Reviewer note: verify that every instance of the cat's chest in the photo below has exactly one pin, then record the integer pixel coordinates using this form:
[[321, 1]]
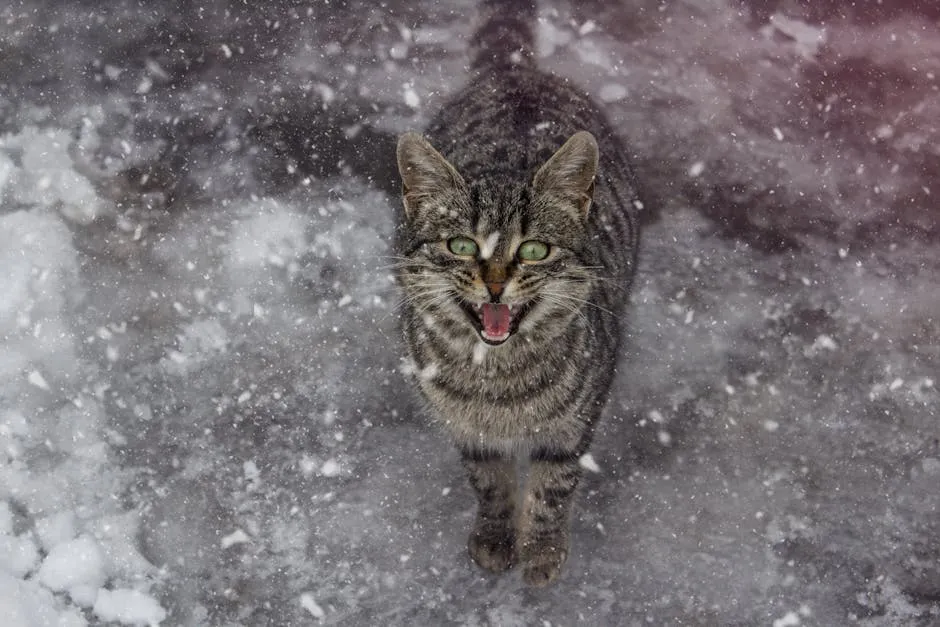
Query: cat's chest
[[509, 401]]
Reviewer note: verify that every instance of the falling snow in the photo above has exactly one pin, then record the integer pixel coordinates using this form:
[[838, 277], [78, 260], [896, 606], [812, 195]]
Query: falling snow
[[204, 416]]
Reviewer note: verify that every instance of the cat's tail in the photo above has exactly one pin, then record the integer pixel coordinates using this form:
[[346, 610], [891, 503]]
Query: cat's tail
[[506, 35]]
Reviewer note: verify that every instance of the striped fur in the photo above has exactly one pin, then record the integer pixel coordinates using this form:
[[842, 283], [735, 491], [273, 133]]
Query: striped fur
[[512, 167]]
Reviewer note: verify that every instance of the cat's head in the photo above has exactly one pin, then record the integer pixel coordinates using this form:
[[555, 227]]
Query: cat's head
[[497, 258]]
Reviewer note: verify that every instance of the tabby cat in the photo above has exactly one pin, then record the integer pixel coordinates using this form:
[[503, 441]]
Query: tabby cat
[[518, 248]]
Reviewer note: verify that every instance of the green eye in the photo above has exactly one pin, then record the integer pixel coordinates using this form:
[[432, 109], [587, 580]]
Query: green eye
[[462, 246], [533, 251]]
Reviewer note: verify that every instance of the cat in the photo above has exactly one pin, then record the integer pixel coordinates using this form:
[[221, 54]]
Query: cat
[[517, 250]]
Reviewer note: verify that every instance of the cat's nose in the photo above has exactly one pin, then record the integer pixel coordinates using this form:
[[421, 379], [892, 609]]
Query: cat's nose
[[495, 289]]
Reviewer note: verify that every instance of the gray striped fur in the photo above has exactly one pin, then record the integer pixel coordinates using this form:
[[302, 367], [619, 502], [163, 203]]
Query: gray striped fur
[[514, 161]]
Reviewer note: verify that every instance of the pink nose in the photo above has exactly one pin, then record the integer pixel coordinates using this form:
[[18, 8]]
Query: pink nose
[[495, 288]]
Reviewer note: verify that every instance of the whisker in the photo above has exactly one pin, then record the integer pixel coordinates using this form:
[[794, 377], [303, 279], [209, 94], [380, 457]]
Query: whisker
[[550, 298], [579, 300]]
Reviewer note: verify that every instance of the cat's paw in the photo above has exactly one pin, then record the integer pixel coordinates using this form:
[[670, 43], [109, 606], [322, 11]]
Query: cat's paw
[[493, 550], [541, 563]]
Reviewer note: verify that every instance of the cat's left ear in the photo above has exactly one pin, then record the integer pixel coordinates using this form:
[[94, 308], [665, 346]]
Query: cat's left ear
[[425, 172], [569, 174]]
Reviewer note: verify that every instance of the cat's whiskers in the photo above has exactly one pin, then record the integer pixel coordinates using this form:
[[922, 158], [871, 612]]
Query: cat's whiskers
[[418, 296], [583, 274], [557, 300], [431, 299], [584, 302], [413, 264]]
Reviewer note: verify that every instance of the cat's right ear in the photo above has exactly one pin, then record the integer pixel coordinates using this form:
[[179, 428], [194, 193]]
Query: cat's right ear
[[425, 173]]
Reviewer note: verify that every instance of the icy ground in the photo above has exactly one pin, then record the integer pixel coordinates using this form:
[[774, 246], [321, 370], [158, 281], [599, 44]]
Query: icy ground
[[202, 415]]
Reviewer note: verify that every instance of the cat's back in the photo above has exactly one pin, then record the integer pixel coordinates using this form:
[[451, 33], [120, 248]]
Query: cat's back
[[514, 112]]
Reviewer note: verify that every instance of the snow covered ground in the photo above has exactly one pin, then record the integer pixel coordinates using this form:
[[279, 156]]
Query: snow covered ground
[[203, 418]]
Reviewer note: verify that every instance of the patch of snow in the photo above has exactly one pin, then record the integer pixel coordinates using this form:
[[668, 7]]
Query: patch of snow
[[807, 38], [327, 94], [429, 372], [308, 603], [18, 554], [250, 468], [549, 37], [823, 342], [271, 233], [587, 28], [399, 51], [589, 51], [25, 603], [48, 177], [236, 537], [587, 462], [78, 562], [128, 607], [330, 468], [6, 518], [35, 378], [790, 619], [612, 92], [411, 96], [7, 168]]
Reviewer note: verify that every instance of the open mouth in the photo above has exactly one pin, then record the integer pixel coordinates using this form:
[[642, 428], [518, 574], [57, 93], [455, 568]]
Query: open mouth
[[495, 321]]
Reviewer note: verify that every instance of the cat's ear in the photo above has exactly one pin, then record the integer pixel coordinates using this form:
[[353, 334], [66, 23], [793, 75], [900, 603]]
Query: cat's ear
[[569, 174], [424, 172]]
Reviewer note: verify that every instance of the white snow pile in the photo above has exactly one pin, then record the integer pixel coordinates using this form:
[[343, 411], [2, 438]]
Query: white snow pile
[[46, 175], [66, 547]]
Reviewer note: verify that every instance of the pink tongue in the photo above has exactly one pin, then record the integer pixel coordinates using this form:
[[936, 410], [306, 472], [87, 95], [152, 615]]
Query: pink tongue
[[495, 319]]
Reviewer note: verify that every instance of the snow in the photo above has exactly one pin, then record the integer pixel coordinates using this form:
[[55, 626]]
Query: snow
[[128, 607], [236, 537], [6, 519], [612, 92], [308, 603], [330, 468], [696, 169], [26, 604], [411, 96], [18, 554], [48, 176], [74, 563], [806, 37], [587, 462], [790, 619], [202, 418]]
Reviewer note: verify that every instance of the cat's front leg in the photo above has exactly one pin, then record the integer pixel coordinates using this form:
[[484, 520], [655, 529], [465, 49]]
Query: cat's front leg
[[544, 526], [492, 543]]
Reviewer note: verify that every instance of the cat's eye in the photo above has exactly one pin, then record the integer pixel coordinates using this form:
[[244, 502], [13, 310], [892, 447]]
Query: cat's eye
[[533, 250], [462, 246]]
